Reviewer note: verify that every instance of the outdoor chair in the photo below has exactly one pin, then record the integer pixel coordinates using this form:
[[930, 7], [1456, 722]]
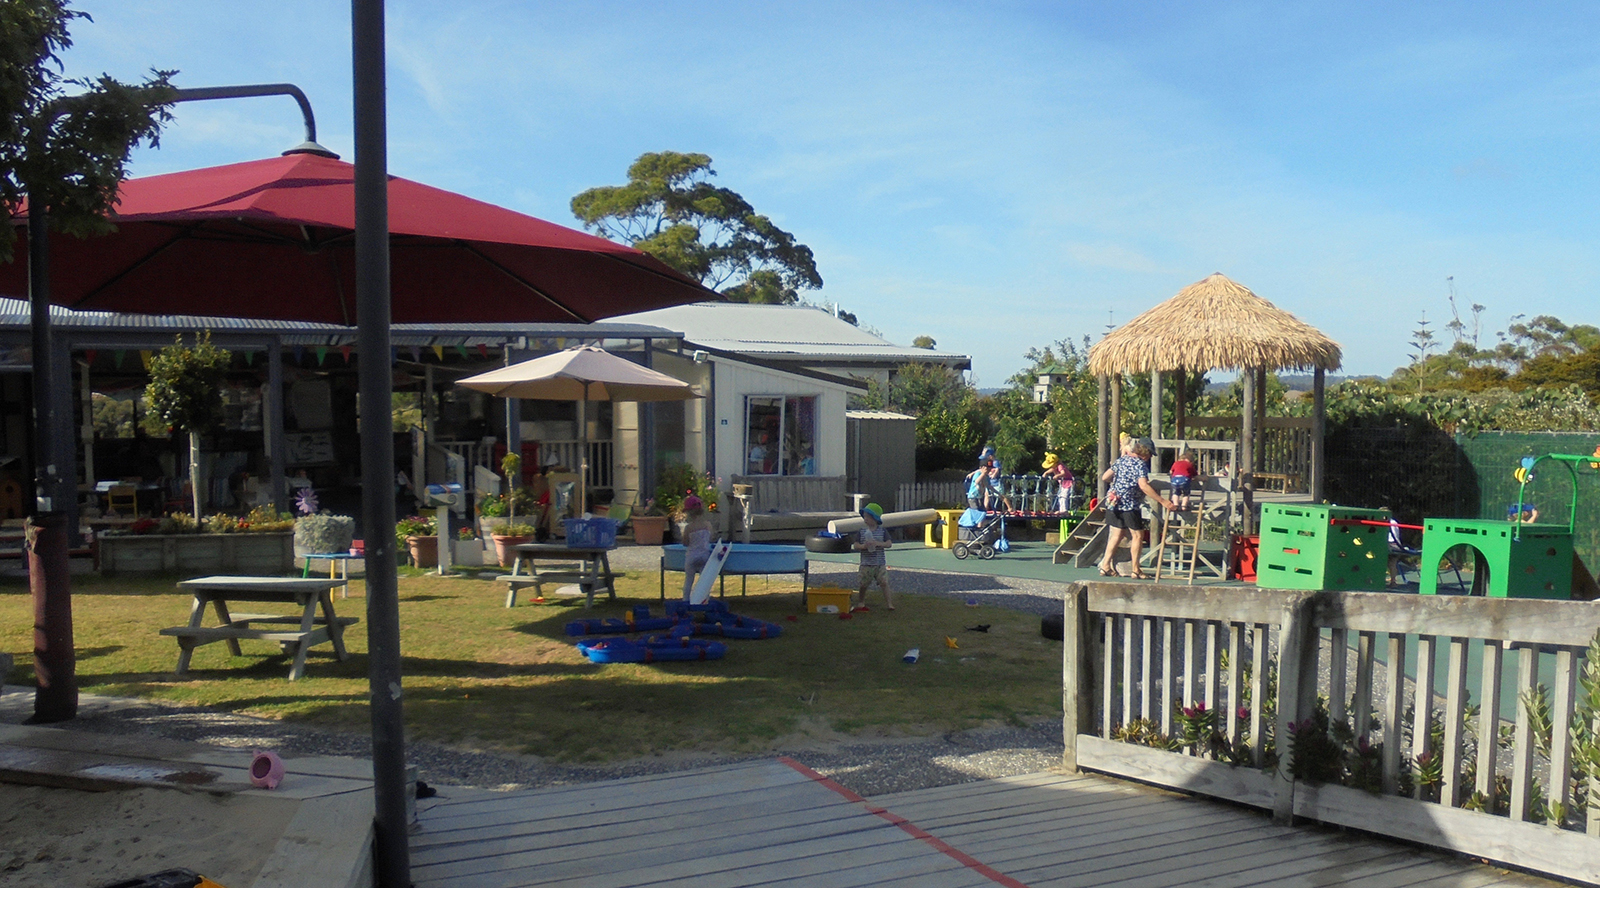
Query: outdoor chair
[[1402, 555], [123, 500]]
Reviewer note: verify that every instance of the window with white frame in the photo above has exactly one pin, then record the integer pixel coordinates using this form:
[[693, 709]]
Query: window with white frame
[[780, 435]]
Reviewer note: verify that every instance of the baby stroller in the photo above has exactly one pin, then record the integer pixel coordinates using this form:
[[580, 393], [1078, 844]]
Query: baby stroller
[[978, 532]]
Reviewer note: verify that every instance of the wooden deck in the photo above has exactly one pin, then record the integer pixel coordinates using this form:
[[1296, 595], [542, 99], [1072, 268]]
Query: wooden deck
[[775, 823]]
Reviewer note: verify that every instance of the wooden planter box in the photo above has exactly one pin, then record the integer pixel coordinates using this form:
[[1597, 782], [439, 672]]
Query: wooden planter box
[[267, 553]]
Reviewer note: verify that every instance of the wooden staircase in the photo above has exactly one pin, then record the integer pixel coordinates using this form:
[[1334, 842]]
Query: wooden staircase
[[1085, 542]]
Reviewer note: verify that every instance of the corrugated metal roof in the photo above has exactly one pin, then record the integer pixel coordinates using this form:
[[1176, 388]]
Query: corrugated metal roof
[[767, 330], [17, 314]]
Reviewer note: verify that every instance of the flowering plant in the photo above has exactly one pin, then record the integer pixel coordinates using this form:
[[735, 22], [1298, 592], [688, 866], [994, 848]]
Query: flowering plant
[[680, 480]]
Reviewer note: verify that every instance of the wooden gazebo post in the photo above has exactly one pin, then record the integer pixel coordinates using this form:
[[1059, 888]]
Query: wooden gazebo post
[[1247, 451], [1319, 425]]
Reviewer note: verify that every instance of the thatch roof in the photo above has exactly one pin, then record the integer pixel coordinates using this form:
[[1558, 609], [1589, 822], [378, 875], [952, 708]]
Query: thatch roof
[[1215, 323]]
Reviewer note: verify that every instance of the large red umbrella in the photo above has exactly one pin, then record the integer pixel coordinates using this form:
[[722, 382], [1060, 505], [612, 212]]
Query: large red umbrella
[[274, 239]]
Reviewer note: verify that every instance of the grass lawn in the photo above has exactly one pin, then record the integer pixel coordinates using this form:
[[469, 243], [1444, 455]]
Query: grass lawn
[[480, 675]]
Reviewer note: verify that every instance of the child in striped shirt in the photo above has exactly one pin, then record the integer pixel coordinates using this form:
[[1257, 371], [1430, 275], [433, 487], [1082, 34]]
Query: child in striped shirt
[[870, 543]]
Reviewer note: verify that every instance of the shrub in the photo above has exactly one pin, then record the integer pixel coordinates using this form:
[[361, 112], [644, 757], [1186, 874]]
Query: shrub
[[415, 526], [513, 529]]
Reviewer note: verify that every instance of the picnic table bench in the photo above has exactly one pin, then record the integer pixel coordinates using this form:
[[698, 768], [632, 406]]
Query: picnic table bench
[[305, 630], [593, 570]]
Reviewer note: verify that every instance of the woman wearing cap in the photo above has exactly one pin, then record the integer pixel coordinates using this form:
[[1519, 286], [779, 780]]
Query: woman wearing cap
[[1129, 476], [871, 541]]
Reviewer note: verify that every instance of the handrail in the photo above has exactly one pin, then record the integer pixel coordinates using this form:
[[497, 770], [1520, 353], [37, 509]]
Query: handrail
[[1566, 459]]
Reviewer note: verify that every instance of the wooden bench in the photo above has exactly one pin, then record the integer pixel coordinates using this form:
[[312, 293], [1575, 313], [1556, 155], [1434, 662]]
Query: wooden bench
[[592, 570], [307, 630]]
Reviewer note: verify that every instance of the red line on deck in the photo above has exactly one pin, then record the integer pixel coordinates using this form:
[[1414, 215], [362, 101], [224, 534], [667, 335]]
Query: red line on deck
[[904, 825]]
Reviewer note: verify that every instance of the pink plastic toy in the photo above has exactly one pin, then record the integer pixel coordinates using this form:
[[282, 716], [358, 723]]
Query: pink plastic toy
[[266, 770]]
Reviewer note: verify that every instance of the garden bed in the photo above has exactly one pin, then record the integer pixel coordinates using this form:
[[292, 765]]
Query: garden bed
[[264, 553]]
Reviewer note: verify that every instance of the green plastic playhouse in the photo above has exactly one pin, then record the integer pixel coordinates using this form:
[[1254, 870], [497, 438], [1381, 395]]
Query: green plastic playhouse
[[1309, 546], [1523, 560]]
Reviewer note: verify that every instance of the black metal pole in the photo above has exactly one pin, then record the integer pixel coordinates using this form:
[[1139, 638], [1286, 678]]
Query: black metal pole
[[392, 863], [54, 661]]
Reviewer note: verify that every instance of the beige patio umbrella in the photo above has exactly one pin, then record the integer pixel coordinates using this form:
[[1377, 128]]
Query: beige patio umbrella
[[1217, 323], [582, 374]]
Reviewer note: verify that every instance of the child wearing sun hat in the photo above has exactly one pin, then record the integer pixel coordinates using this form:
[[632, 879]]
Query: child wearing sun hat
[[871, 541]]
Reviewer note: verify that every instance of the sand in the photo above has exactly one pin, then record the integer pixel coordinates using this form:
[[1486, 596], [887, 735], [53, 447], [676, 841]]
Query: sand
[[58, 837]]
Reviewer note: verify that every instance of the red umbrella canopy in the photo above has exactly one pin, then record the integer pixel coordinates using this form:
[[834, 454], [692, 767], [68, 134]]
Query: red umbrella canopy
[[275, 239]]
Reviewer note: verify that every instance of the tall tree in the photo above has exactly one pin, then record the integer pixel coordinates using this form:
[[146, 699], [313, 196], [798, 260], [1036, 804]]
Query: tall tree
[[670, 209], [71, 152]]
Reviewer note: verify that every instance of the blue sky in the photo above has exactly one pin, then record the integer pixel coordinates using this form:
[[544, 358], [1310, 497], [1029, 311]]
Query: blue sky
[[998, 175]]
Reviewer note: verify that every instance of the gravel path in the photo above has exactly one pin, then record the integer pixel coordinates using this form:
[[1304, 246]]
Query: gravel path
[[866, 767]]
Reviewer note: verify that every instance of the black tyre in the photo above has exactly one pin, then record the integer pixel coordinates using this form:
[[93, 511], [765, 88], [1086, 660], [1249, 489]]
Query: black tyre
[[822, 544], [987, 552], [960, 550], [1052, 627]]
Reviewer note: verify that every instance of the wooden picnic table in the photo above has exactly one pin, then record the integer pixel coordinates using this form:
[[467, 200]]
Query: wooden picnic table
[[308, 628], [593, 569]]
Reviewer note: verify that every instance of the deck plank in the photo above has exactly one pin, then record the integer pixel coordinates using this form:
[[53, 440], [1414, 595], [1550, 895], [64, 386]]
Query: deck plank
[[767, 824]]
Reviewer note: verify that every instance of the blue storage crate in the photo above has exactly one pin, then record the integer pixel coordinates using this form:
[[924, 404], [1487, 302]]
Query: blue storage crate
[[591, 534]]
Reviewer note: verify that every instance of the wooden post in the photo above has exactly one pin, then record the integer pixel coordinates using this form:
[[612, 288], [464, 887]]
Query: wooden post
[[1102, 457], [1155, 404], [1114, 434], [1259, 436], [1181, 389], [1077, 676], [1319, 429], [1247, 452], [1297, 686]]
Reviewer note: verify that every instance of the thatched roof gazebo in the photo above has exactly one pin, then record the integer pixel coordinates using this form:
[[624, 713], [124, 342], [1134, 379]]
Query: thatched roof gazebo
[[1217, 323]]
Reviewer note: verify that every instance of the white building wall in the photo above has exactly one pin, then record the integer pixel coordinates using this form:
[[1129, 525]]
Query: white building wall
[[736, 381]]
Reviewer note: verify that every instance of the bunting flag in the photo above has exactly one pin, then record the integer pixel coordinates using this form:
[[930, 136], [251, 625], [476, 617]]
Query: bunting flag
[[344, 351], [144, 357], [88, 356], [462, 349], [299, 354], [561, 343], [439, 352], [116, 357], [249, 357], [416, 354], [483, 350], [322, 354]]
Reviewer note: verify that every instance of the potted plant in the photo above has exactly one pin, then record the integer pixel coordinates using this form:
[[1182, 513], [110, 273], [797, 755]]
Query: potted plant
[[496, 510], [506, 538], [323, 533], [650, 527], [468, 548], [419, 534], [678, 481], [185, 394]]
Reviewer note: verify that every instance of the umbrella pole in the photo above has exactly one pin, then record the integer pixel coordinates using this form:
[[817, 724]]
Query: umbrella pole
[[392, 858]]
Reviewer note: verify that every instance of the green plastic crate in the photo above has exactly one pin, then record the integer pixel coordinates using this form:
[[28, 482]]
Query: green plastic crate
[[1312, 547]]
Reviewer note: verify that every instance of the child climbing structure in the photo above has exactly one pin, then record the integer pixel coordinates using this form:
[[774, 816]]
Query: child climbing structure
[[1522, 559]]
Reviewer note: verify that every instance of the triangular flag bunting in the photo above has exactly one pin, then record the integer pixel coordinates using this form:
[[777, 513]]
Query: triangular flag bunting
[[462, 349], [88, 357], [439, 352], [322, 354], [116, 357], [416, 354], [344, 351], [483, 350], [249, 357], [144, 357], [299, 354]]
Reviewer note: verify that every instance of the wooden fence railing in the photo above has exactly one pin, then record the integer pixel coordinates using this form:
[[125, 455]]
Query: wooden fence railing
[[1278, 699]]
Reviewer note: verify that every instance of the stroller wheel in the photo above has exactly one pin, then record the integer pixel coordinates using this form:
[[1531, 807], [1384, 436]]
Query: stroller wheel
[[987, 552], [960, 550]]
